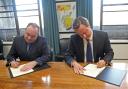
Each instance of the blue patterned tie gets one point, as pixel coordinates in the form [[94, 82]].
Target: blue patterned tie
[[89, 56]]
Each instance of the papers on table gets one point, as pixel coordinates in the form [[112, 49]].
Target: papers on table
[[91, 70], [16, 71], [106, 74]]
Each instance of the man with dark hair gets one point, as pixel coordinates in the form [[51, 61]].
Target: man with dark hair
[[88, 46], [29, 47]]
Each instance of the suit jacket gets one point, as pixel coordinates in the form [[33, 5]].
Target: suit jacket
[[1, 50], [38, 50], [101, 48]]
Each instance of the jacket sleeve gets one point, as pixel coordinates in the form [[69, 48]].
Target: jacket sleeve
[[12, 55], [45, 53], [69, 55], [108, 51], [1, 50]]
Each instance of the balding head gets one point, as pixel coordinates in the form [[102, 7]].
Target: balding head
[[31, 32]]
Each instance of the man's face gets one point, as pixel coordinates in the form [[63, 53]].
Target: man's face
[[84, 31], [31, 34]]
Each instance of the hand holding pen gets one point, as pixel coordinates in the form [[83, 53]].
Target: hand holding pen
[[14, 63]]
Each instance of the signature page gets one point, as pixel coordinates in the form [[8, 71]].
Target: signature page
[[91, 70]]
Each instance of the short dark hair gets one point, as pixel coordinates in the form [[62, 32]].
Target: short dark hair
[[33, 25], [80, 20]]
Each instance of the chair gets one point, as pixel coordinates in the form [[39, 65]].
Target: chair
[[50, 57], [1, 50], [64, 42]]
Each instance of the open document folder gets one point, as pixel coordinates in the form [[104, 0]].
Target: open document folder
[[91, 70], [14, 72], [106, 74]]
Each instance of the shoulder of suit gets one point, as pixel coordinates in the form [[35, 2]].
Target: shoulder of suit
[[100, 32], [18, 38], [40, 38], [75, 36]]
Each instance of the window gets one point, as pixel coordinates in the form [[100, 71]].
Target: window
[[15, 15], [111, 16], [7, 20]]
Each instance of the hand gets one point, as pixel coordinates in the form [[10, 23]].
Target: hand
[[28, 66], [78, 69], [14, 64], [101, 63]]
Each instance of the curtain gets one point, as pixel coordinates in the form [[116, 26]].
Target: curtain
[[51, 30], [84, 8]]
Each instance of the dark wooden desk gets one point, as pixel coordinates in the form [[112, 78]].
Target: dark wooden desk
[[59, 76]]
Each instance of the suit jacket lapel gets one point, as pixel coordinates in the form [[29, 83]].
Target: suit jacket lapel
[[81, 47], [24, 45], [94, 45]]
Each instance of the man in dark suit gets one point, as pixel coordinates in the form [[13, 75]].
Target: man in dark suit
[[1, 50], [100, 48], [30, 47]]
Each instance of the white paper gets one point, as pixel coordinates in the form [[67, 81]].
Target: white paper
[[92, 70], [16, 71]]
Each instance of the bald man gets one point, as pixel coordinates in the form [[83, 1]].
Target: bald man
[[29, 47]]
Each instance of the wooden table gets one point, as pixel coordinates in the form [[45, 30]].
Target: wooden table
[[59, 76]]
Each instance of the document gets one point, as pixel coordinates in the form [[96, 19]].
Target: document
[[91, 70], [16, 71], [106, 74]]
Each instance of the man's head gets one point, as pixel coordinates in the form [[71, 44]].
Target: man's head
[[31, 32], [82, 27]]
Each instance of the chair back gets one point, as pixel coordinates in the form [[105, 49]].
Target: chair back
[[1, 50], [64, 42]]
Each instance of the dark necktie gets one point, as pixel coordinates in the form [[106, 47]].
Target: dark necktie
[[28, 47], [89, 56]]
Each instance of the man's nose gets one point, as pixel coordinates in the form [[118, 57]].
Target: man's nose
[[29, 37], [84, 35]]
